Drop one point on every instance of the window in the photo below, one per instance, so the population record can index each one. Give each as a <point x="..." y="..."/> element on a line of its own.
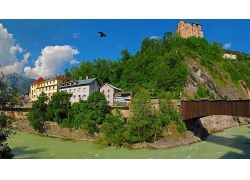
<point x="79" y="89"/>
<point x="103" y="91"/>
<point x="74" y="96"/>
<point x="84" y="89"/>
<point x="74" y="90"/>
<point x="79" y="96"/>
<point x="108" y="96"/>
<point x="69" y="90"/>
<point x="108" y="90"/>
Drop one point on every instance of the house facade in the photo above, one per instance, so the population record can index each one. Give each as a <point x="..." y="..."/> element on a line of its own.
<point x="49" y="86"/>
<point x="123" y="98"/>
<point x="109" y="91"/>
<point x="80" y="89"/>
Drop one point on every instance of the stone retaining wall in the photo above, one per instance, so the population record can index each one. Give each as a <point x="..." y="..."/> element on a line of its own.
<point x="54" y="130"/>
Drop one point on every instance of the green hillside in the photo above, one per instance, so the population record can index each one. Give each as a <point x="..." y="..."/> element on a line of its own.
<point x="160" y="65"/>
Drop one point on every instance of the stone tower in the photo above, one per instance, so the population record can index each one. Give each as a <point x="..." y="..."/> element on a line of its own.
<point x="186" y="30"/>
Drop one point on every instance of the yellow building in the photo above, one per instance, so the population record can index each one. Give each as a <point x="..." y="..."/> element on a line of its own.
<point x="48" y="86"/>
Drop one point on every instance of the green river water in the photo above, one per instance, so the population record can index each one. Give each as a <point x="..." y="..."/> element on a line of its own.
<point x="232" y="143"/>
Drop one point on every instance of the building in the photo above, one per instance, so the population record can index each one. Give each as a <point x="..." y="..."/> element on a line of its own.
<point x="230" y="56"/>
<point x="186" y="30"/>
<point x="49" y="86"/>
<point x="123" y="98"/>
<point x="80" y="89"/>
<point x="109" y="91"/>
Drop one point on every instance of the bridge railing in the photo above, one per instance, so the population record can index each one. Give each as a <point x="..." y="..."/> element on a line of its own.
<point x="201" y="108"/>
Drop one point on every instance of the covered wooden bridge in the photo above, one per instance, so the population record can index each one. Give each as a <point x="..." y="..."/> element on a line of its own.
<point x="201" y="108"/>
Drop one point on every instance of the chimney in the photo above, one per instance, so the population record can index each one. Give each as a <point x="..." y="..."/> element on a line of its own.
<point x="87" y="77"/>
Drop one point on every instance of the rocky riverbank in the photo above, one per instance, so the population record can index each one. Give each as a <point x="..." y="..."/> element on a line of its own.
<point x="198" y="130"/>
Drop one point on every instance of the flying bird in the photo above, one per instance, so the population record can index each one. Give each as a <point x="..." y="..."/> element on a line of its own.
<point x="102" y="34"/>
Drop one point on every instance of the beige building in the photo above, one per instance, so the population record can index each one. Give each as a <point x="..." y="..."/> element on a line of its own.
<point x="48" y="86"/>
<point x="186" y="30"/>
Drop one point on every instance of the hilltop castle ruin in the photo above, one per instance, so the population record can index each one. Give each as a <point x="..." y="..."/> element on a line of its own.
<point x="186" y="30"/>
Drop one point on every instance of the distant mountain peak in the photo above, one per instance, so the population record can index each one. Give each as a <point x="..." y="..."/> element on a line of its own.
<point x="22" y="83"/>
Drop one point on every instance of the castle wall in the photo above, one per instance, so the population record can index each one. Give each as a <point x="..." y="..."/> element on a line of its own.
<point x="186" y="30"/>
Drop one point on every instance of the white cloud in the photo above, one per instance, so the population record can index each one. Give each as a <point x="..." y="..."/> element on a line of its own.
<point x="155" y="37"/>
<point x="74" y="62"/>
<point x="50" y="61"/>
<point x="8" y="49"/>
<point x="227" y="45"/>
<point x="76" y="35"/>
<point x="14" y="49"/>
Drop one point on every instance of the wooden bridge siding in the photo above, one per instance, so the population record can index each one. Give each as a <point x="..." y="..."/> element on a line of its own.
<point x="239" y="108"/>
<point x="192" y="109"/>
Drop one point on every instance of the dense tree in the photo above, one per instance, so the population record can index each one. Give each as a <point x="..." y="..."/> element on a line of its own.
<point x="143" y="124"/>
<point x="88" y="114"/>
<point x="58" y="106"/>
<point x="8" y="98"/>
<point x="97" y="107"/>
<point x="113" y="130"/>
<point x="37" y="113"/>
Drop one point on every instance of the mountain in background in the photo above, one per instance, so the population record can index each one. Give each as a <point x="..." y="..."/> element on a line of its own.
<point x="20" y="82"/>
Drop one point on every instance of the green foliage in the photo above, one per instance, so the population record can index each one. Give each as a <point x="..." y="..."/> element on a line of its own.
<point x="87" y="114"/>
<point x="95" y="112"/>
<point x="113" y="130"/>
<point x="204" y="92"/>
<point x="37" y="113"/>
<point x="8" y="98"/>
<point x="5" y="134"/>
<point x="169" y="114"/>
<point x="143" y="124"/>
<point x="58" y="107"/>
<point x="239" y="70"/>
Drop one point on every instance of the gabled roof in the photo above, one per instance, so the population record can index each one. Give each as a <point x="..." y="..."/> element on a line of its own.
<point x="111" y="86"/>
<point x="78" y="83"/>
<point x="38" y="80"/>
<point x="86" y="81"/>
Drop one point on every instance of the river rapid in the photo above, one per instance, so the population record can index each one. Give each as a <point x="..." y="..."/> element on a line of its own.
<point x="232" y="143"/>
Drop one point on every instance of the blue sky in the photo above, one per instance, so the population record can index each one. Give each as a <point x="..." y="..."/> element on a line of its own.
<point x="42" y="46"/>
<point x="47" y="47"/>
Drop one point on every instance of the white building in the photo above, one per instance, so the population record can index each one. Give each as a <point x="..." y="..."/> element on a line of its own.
<point x="109" y="91"/>
<point x="80" y="89"/>
<point x="123" y="98"/>
<point x="230" y="56"/>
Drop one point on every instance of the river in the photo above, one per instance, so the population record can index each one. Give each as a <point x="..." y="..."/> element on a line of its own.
<point x="232" y="143"/>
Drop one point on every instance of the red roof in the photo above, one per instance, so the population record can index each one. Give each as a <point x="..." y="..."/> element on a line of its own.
<point x="38" y="80"/>
<point x="63" y="77"/>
